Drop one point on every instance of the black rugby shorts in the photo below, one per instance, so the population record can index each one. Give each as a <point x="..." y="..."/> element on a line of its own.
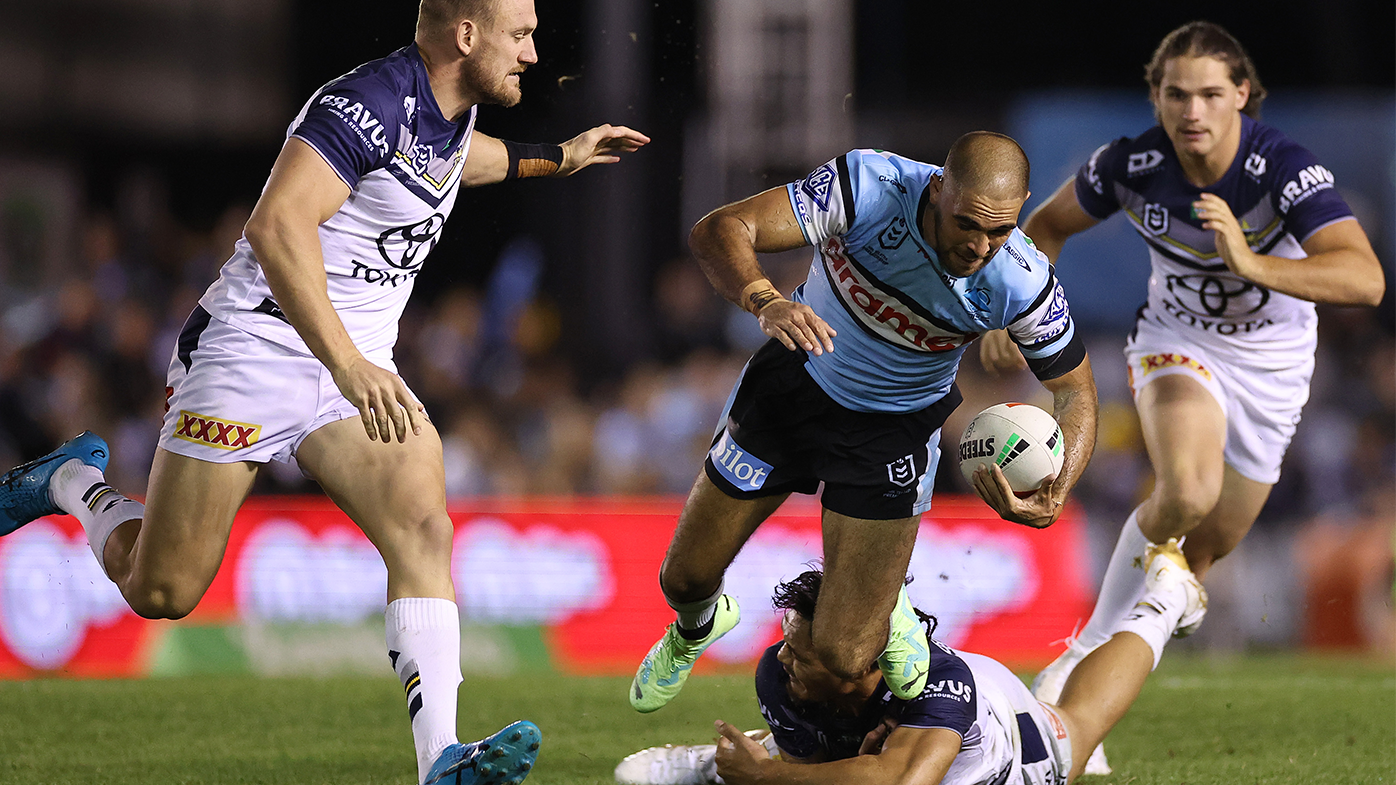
<point x="784" y="434"/>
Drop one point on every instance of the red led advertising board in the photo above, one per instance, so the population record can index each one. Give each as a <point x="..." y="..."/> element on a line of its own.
<point x="582" y="572"/>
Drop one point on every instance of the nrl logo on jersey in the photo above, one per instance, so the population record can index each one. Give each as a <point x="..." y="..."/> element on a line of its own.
<point x="1155" y="219"/>
<point x="1140" y="163"/>
<point x="881" y="312"/>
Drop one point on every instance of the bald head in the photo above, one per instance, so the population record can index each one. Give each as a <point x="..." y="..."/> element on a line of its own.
<point x="988" y="163"/>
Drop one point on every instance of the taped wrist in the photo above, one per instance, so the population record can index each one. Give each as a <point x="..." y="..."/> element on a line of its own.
<point x="758" y="294"/>
<point x="532" y="160"/>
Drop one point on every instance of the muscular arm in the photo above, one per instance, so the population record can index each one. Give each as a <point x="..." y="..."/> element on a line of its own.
<point x="1049" y="226"/>
<point x="488" y="159"/>
<point x="1056" y="219"/>
<point x="725" y="243"/>
<point x="302" y="193"/>
<point x="1341" y="268"/>
<point x="1075" y="406"/>
<point x="910" y="756"/>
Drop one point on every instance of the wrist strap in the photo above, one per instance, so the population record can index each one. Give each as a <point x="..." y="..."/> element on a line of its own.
<point x="532" y="160"/>
<point x="758" y="294"/>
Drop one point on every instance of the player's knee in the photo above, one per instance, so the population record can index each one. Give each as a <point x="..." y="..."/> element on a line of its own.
<point x="419" y="536"/>
<point x="161" y="599"/>
<point x="1186" y="503"/>
<point x="680" y="583"/>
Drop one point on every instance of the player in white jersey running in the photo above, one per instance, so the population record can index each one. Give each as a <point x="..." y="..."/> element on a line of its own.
<point x="913" y="262"/>
<point x="1245" y="233"/>
<point x="973" y="724"/>
<point x="290" y="354"/>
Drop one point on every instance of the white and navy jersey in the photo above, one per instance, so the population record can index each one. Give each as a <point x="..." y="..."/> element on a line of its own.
<point x="381" y="131"/>
<point x="954" y="699"/>
<point x="902" y="320"/>
<point x="1280" y="195"/>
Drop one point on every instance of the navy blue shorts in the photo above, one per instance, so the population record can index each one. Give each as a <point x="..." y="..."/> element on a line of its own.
<point x="784" y="434"/>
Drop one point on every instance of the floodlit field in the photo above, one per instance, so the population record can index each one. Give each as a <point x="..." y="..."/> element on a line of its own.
<point x="1200" y="721"/>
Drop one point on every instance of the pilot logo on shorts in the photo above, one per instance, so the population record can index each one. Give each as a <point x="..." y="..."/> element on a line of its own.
<point x="738" y="466"/>
<point x="1155" y="219"/>
<point x="223" y="434"/>
<point x="902" y="471"/>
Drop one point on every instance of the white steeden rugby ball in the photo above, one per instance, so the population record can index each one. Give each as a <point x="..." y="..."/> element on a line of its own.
<point x="1023" y="440"/>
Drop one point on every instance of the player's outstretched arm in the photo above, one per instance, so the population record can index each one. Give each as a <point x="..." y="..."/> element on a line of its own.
<point x="1341" y="267"/>
<point x="909" y="755"/>
<point x="302" y="193"/>
<point x="1075" y="407"/>
<point x="1049" y="226"/>
<point x="492" y="160"/>
<point x="725" y="243"/>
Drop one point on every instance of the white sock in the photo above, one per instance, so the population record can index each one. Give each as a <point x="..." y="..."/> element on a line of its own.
<point x="695" y="616"/>
<point x="1121" y="588"/>
<point x="424" y="647"/>
<point x="1154" y="622"/>
<point x="82" y="492"/>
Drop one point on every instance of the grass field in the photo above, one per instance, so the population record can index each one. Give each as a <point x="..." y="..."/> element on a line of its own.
<point x="1274" y="719"/>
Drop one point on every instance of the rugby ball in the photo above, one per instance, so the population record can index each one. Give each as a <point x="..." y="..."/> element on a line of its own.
<point x="1023" y="440"/>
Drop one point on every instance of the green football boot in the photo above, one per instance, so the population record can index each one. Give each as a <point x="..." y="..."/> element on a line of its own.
<point x="907" y="658"/>
<point x="666" y="667"/>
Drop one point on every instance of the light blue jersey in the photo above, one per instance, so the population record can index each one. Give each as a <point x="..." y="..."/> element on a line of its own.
<point x="902" y="320"/>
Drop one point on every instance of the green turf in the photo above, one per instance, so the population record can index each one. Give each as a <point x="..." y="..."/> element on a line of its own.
<point x="1200" y="721"/>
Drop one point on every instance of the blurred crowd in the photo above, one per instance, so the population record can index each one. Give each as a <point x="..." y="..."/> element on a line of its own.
<point x="517" y="417"/>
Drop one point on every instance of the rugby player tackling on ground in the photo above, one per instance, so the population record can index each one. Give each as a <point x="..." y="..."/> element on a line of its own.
<point x="974" y="723"/>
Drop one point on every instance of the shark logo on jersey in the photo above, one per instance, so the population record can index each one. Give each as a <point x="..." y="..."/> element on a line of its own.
<point x="894" y="235"/>
<point x="409" y="105"/>
<point x="819" y="184"/>
<point x="407" y="246"/>
<point x="978" y="299"/>
<point x="1155" y="219"/>
<point x="1255" y="165"/>
<point x="1140" y="163"/>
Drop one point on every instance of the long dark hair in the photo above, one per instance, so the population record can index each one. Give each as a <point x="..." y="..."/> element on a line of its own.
<point x="1208" y="39"/>
<point x="801" y="594"/>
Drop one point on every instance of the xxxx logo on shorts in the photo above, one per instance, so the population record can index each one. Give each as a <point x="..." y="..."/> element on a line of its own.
<point x="225" y="435"/>
<point x="1157" y="362"/>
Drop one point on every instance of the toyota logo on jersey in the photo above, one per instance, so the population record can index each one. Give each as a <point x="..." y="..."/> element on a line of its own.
<point x="1211" y="295"/>
<point x="405" y="247"/>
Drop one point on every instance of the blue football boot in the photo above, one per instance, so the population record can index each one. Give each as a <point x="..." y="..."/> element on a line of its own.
<point x="502" y="759"/>
<point x="24" y="492"/>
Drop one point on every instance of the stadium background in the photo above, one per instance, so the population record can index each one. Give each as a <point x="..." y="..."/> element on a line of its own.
<point x="569" y="351"/>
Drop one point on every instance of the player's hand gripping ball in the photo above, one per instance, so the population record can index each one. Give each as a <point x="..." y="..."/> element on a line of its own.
<point x="1023" y="440"/>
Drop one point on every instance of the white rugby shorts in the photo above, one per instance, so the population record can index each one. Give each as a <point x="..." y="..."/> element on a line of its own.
<point x="1262" y="405"/>
<point x="232" y="396"/>
<point x="1037" y="742"/>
